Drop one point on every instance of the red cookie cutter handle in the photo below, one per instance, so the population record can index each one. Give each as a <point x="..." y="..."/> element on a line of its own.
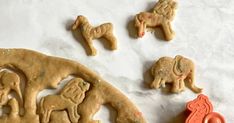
<point x="201" y="111"/>
<point x="213" y="117"/>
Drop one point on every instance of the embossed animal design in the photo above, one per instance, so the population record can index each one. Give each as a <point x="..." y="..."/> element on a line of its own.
<point x="9" y="81"/>
<point x="162" y="15"/>
<point x="13" y="116"/>
<point x="89" y="33"/>
<point x="199" y="108"/>
<point x="59" y="117"/>
<point x="42" y="71"/>
<point x="68" y="99"/>
<point x="202" y="111"/>
<point x="14" y="105"/>
<point x="177" y="71"/>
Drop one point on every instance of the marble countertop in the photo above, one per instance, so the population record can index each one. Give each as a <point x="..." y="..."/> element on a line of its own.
<point x="204" y="33"/>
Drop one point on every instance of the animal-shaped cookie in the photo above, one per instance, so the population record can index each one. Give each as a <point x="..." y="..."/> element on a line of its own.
<point x="176" y="71"/>
<point x="162" y="15"/>
<point x="68" y="99"/>
<point x="89" y="33"/>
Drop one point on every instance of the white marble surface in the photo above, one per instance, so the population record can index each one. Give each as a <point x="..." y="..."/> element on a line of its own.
<point x="204" y="32"/>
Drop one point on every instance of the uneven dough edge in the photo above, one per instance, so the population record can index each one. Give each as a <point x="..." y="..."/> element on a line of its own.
<point x="44" y="71"/>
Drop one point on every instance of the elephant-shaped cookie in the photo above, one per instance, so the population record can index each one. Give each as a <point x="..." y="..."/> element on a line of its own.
<point x="176" y="71"/>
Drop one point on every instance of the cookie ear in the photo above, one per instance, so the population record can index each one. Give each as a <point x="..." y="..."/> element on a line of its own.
<point x="177" y="64"/>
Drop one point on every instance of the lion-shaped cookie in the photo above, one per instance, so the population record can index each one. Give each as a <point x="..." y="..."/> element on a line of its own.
<point x="68" y="99"/>
<point x="162" y="15"/>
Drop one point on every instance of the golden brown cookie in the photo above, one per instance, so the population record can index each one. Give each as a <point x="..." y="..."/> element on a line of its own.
<point x="176" y="71"/>
<point x="89" y="33"/>
<point x="162" y="15"/>
<point x="41" y="72"/>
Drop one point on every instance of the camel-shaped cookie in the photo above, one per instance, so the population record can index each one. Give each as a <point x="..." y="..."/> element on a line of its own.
<point x="176" y="71"/>
<point x="162" y="15"/>
<point x="89" y="33"/>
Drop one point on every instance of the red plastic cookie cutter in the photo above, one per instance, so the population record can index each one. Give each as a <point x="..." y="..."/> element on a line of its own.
<point x="201" y="111"/>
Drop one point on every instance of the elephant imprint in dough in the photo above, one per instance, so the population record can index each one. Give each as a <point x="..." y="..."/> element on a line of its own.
<point x="9" y="81"/>
<point x="176" y="71"/>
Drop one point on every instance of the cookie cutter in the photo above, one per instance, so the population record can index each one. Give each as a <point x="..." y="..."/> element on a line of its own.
<point x="201" y="111"/>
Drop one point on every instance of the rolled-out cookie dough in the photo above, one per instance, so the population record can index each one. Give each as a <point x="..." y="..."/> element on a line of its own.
<point x="41" y="71"/>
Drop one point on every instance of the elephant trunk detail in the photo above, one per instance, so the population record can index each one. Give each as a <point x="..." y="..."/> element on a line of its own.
<point x="191" y="84"/>
<point x="18" y="91"/>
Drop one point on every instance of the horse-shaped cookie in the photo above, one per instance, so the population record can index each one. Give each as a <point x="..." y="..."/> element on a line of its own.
<point x="162" y="15"/>
<point x="89" y="33"/>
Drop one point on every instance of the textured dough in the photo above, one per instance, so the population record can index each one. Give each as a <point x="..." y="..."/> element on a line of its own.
<point x="41" y="72"/>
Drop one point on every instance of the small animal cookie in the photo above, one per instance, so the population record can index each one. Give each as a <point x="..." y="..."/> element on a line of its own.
<point x="176" y="71"/>
<point x="201" y="111"/>
<point x="89" y="33"/>
<point x="162" y="15"/>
